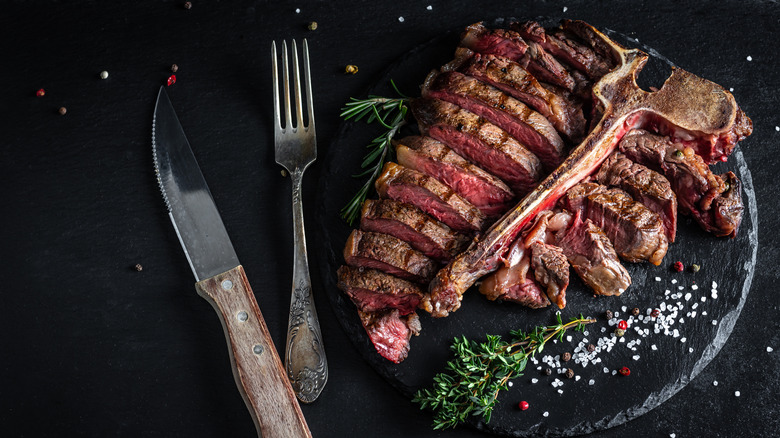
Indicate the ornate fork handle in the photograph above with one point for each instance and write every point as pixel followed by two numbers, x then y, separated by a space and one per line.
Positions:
pixel 305 361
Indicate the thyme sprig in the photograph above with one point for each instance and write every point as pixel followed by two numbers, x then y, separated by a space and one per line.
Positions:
pixel 391 114
pixel 472 380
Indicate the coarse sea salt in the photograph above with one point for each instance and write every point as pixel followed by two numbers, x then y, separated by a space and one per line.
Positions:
pixel 777 128
pixel 534 380
pixel 400 19
pixel 714 322
pixel 565 9
pixel 430 8
pixel 714 383
pixel 657 278
pixel 749 58
pixel 769 349
pixel 674 281
pixel 591 382
pixel 690 350
pixel 694 287
pixel 546 414
pixel 510 384
pixel 737 394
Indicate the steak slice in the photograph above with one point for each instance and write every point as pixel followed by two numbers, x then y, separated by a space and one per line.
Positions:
pixel 636 232
pixel 480 141
pixel 713 201
pixel 389 254
pixel 593 257
pixel 412 225
pixel 424 154
pixel 499 42
pixel 390 332
pixel 551 270
pixel 429 195
pixel 373 290
pixel 564 47
pixel 546 68
pixel 588 35
pixel 647 186
pixel 510 77
pixel 511 281
pixel 529 127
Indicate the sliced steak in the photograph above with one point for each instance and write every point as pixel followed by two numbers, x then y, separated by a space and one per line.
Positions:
pixel 644 185
pixel 499 42
pixel 593 257
pixel 373 290
pixel 390 332
pixel 546 68
pixel 509 76
pixel 700 193
pixel 551 270
pixel 636 232
pixel 512 282
pixel 564 47
pixel 480 141
pixel 412 225
pixel 424 154
pixel 587 35
pixel 389 254
pixel 529 127
pixel 429 195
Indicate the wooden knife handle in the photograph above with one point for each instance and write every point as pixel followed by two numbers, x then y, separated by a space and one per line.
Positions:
pixel 258 371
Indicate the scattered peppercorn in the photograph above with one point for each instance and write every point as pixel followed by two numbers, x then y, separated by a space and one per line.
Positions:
pixel 284 173
pixel 569 373
pixel 678 266
pixel 625 371
pixel 655 313
pixel 351 69
pixel 171 80
pixel 548 371
pixel 620 332
pixel 138 267
pixel 313 25
pixel 523 405
pixel 622 324
pixel 695 267
pixel 62 110
pixel 40 93
pixel 187 5
pixel 608 314
pixel 174 68
pixel 566 357
pixel 635 311
pixel 103 74
pixel 678 154
pixel 591 348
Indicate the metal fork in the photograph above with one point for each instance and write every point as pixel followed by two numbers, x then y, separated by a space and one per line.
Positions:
pixel 296 149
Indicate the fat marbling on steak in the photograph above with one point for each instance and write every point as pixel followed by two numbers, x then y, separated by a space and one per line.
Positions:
pixel 390 332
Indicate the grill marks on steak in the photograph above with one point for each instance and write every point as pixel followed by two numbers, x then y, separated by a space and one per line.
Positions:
pixel 593 257
pixel 509 76
pixel 390 332
pixel 373 291
pixel 713 201
pixel 429 195
pixel 636 232
pixel 499 42
pixel 480 141
pixel 424 154
pixel 644 185
pixel 389 254
pixel 412 225
pixel 529 127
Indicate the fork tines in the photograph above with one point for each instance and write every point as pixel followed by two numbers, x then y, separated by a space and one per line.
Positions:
pixel 297 91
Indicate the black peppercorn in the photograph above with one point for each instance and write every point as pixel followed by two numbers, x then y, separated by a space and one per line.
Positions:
pixel 138 267
pixel 608 314
pixel 591 348
pixel 62 110
pixel 635 311
pixel 313 25
pixel 174 68
pixel 547 371
pixel 695 267
pixel 569 373
pixel 566 357
pixel 187 5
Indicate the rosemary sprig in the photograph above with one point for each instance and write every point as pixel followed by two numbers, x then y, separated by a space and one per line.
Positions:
pixel 472 380
pixel 391 114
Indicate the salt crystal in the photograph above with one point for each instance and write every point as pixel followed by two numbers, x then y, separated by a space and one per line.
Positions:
pixel 683 340
pixel 690 350
pixel 737 394
pixel 693 314
pixel 635 357
pixel 653 347
pixel 714 285
pixel 624 308
pixel 430 8
pixel 568 338
pixel 657 278
pixel 749 58
pixel 671 435
pixel 606 370
pixel 614 372
pixel 704 313
pixel 694 287
pixel 769 349
pixel 560 391
pixel 591 382
pixel 676 333
pixel 401 19
pixel 688 296
pixel 577 378
pixel 703 299
pixel 714 383
pixel 539 368
pixel 777 128
pixel 565 9
pixel 695 305
pixel 714 322
pixel 534 380
pixel 603 329
pixel 546 414
pixel 298 10
pixel 510 384
pixel 680 288
pixel 731 89
pixel 585 333
pixel 674 281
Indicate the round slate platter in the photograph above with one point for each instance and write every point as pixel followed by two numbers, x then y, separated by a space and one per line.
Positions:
pixel 661 364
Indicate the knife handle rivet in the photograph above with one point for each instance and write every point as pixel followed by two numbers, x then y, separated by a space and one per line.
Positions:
pixel 258 349
pixel 242 316
pixel 227 285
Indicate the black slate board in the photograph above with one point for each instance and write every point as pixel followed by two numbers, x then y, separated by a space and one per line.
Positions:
pixel 582 408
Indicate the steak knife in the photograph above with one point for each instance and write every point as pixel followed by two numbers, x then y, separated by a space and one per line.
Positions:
pixel 220 279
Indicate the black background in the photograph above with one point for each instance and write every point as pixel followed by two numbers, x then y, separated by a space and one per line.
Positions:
pixel 89 346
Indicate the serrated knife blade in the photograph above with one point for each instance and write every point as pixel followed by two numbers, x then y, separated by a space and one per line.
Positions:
pixel 257 369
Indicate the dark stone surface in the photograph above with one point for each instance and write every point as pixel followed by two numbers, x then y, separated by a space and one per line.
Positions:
pixel 90 346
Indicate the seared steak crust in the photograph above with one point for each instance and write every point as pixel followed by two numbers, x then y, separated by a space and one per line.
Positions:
pixel 372 290
pixel 593 257
pixel 389 254
pixel 432 157
pixel 636 232
pixel 499 42
pixel 644 185
pixel 390 332
pixel 412 225
pixel 551 270
pixel 480 141
pixel 546 68
pixel 529 127
pixel 429 195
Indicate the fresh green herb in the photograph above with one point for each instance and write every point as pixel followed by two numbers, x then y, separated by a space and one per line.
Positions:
pixel 472 380
pixel 391 114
